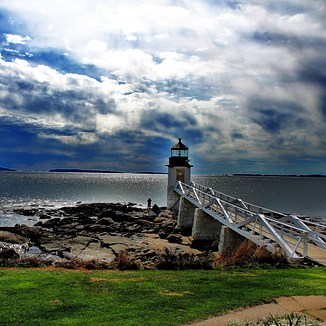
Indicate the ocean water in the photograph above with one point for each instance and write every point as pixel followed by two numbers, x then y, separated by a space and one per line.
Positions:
pixel 304 196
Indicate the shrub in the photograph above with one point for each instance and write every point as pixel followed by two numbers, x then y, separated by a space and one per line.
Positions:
pixel 80 263
pixel 125 261
pixel 248 253
pixel 8 257
pixel 171 259
pixel 32 262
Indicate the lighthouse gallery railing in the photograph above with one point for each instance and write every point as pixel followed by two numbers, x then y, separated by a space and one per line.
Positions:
pixel 263 226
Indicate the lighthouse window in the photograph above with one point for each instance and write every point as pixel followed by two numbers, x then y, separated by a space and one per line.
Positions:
pixel 179 153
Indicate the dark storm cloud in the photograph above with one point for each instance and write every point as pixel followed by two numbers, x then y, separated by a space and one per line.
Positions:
pixel 177 124
pixel 159 121
pixel 323 106
pixel 286 7
pixel 314 72
pixel 21 146
pixel 275 115
pixel 130 150
pixel 289 41
pixel 31 146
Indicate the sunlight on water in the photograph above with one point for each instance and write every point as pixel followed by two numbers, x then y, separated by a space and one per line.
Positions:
pixel 301 196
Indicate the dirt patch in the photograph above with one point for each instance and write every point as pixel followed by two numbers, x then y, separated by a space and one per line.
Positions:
pixel 174 294
pixel 56 302
pixel 97 279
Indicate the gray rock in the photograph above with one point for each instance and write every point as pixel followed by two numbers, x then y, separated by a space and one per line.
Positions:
pixel 119 247
pixel 101 231
pixel 10 237
pixel 51 223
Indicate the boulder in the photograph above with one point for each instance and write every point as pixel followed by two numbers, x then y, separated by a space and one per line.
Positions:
pixel 105 221
pixel 163 234
pixel 51 223
pixel 174 238
pixel 132 228
pixel 26 212
pixel 167 214
pixel 44 216
pixel 116 216
pixel 10 237
pixel 97 228
pixel 156 209
pixel 100 231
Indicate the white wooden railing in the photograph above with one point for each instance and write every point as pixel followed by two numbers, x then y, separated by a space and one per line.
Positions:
pixel 263 226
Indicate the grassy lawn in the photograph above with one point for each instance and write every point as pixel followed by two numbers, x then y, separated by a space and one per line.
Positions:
pixel 62 297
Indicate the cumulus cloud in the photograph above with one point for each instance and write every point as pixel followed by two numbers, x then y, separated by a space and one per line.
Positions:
pixel 241 80
pixel 16 39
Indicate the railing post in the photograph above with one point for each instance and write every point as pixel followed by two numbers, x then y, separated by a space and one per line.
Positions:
pixel 254 227
pixel 305 244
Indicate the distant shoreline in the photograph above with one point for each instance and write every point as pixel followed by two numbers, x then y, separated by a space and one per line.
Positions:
pixel 64 170
pixel 101 171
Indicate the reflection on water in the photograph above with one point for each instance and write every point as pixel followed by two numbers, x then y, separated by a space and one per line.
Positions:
pixel 85 187
pixel 301 196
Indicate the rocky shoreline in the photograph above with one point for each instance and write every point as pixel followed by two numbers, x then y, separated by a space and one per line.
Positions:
pixel 108 233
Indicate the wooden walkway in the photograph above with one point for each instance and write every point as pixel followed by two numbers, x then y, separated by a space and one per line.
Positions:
pixel 298 238
pixel 317 254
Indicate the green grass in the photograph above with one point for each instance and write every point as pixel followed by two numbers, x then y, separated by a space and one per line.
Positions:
pixel 62 297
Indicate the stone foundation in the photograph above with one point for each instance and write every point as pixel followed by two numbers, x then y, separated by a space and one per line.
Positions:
pixel 186 214
pixel 205 227
pixel 172 200
pixel 229 240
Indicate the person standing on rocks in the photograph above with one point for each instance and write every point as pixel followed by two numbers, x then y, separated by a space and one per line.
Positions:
pixel 149 204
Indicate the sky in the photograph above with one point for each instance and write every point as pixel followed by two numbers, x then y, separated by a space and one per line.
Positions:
pixel 104 84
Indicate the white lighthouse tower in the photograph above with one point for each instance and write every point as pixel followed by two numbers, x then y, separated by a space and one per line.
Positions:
pixel 178 170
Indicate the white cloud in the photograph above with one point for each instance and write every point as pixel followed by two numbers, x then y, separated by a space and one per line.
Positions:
pixel 109 123
pixel 80 138
pixel 17 39
pixel 94 46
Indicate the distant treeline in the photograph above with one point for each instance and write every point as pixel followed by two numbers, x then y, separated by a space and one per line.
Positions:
pixel 278 175
pixel 6 169
pixel 84 170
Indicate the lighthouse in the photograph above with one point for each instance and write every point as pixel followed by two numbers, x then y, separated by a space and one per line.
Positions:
pixel 178 170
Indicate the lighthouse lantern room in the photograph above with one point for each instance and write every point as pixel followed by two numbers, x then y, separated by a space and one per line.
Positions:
pixel 178 170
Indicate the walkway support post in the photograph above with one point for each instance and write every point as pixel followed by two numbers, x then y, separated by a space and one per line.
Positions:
pixel 186 214
pixel 229 240
pixel 205 227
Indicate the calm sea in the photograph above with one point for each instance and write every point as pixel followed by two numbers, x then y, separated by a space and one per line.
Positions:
pixel 302 196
